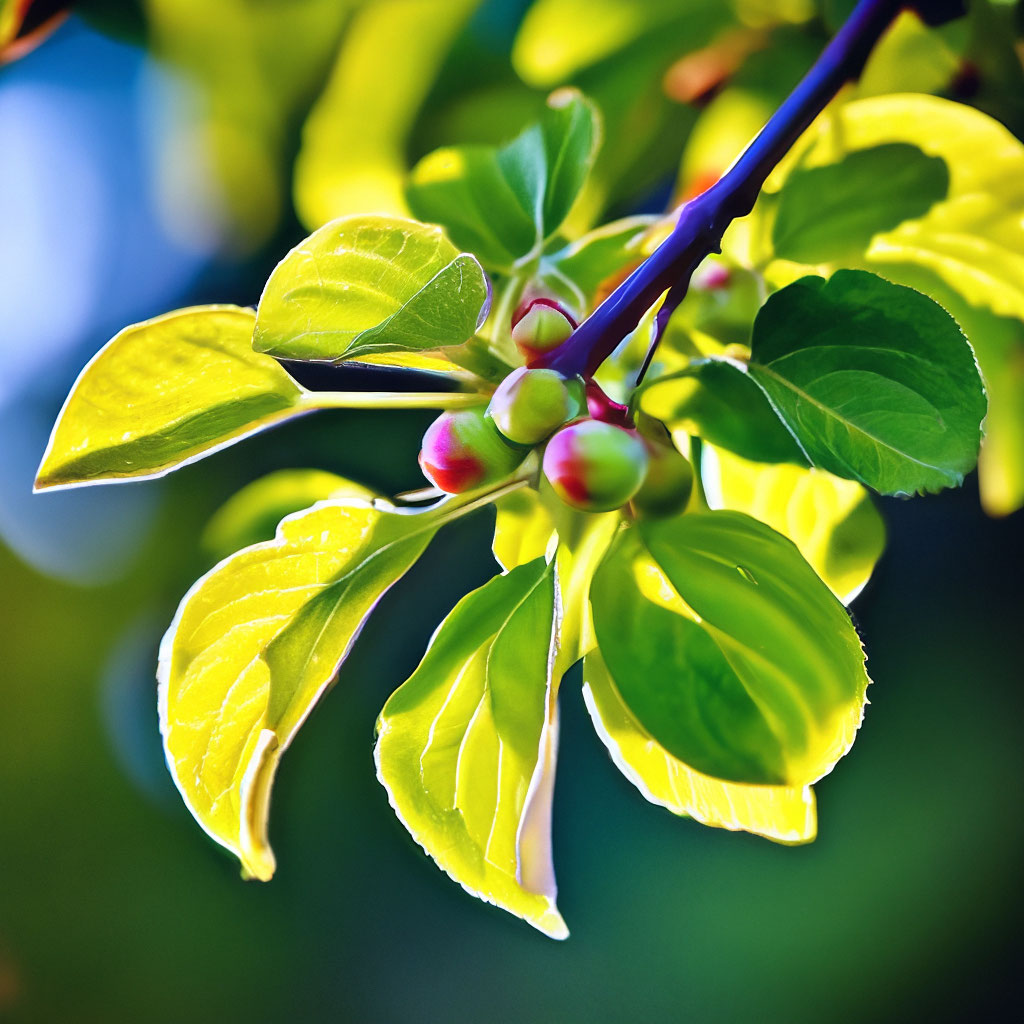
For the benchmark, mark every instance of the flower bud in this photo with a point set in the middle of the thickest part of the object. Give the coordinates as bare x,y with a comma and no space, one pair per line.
543,327
530,405
463,449
595,466
666,488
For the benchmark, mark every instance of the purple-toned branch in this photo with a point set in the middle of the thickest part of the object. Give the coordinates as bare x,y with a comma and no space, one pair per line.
703,221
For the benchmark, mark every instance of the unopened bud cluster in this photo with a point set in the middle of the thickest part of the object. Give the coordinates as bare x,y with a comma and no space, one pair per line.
591,464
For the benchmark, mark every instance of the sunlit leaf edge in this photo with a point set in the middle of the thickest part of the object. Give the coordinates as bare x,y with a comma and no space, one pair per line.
551,923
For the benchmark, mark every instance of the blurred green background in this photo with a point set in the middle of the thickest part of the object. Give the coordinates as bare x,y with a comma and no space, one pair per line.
115,907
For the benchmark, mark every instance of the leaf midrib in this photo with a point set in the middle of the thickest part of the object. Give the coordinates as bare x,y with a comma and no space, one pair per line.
847,424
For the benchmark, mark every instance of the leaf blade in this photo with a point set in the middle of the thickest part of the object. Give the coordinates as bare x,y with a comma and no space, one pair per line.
228,709
780,813
874,380
832,521
163,393
767,682
503,203
831,213
481,706
367,285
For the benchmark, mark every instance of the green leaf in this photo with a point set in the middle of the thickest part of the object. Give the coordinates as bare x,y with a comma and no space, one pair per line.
832,521
466,746
371,284
911,57
999,346
715,400
875,381
522,528
728,649
163,393
169,391
831,213
251,515
576,272
785,814
353,155
504,203
255,644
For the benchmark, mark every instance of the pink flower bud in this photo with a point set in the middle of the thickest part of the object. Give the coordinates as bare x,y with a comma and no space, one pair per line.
463,449
595,466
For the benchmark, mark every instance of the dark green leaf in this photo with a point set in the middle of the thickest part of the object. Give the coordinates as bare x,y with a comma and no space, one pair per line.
875,381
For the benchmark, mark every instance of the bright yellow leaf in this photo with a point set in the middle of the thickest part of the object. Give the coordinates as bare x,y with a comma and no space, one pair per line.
174,389
255,644
466,746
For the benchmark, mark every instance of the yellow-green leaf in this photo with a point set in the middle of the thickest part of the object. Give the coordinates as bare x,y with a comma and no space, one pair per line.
560,38
522,528
466,747
832,521
251,515
974,239
526,524
254,645
353,155
785,814
366,285
165,392
168,391
748,669
999,346
411,361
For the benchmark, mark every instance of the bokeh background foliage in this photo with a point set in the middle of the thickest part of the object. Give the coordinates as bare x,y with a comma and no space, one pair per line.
156,153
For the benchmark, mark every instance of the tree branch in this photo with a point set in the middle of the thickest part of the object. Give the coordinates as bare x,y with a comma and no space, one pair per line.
703,221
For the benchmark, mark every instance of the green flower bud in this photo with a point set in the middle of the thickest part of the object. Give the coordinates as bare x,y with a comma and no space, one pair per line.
463,449
530,405
669,482
543,327
723,300
595,466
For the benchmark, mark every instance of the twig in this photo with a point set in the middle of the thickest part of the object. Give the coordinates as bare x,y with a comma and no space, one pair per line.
703,221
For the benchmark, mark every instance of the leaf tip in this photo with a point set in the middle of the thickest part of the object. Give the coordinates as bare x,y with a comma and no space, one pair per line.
553,926
253,845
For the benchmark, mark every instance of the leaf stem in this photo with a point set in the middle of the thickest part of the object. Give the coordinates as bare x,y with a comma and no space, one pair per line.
702,222
390,399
